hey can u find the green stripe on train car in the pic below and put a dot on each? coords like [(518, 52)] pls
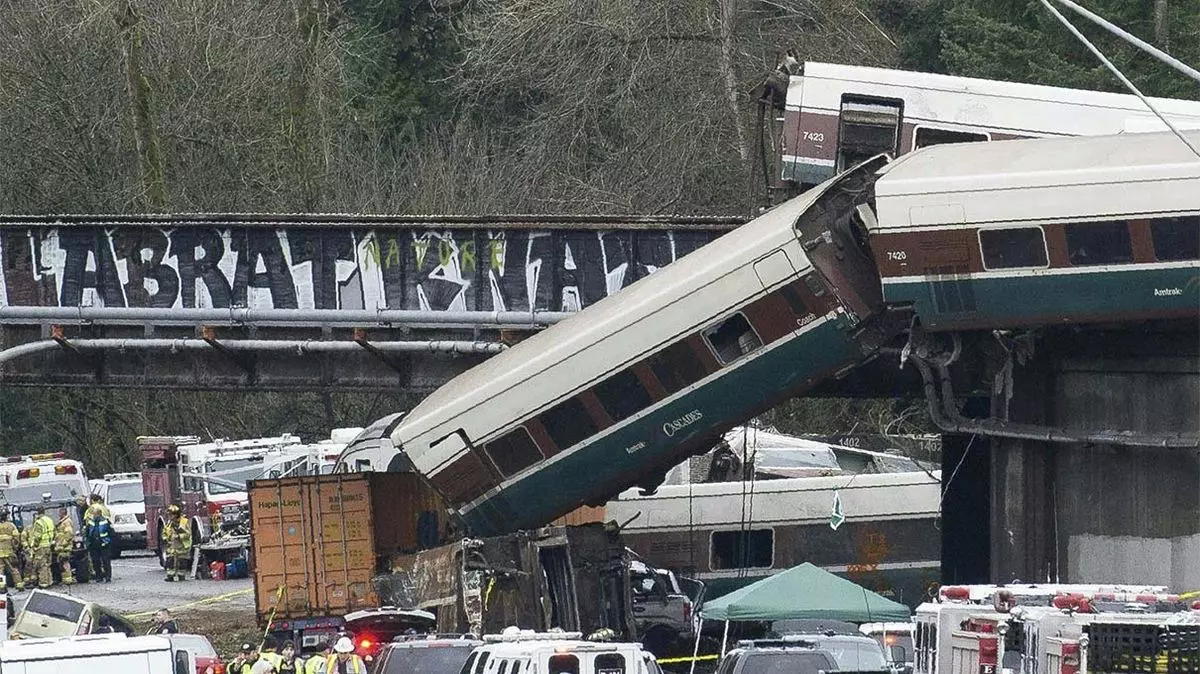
[(538, 497), (1051, 298)]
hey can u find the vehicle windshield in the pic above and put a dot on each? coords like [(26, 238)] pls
[(425, 660), (125, 492), (796, 662), (854, 655), (53, 606), (233, 470), (195, 643), (32, 493), (898, 646)]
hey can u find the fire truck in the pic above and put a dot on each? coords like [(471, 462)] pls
[(208, 480), (977, 646)]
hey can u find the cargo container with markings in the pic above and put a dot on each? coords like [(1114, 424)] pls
[(319, 540)]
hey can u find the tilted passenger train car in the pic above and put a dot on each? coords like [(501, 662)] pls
[(1041, 232), (633, 384)]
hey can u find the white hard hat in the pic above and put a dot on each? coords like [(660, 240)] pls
[(344, 645)]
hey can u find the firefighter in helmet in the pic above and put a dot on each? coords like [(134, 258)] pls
[(64, 544), (177, 543), (41, 543), (10, 546)]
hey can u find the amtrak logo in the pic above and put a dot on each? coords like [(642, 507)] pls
[(672, 427), (1167, 292), (635, 448)]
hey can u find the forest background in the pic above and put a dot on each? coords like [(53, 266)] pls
[(454, 106)]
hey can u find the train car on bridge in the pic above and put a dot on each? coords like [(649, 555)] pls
[(838, 115), (1041, 232), (618, 394)]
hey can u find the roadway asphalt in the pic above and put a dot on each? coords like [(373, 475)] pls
[(138, 587)]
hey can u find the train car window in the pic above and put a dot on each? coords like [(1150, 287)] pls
[(732, 339), (752, 549), (925, 136), (568, 423), (677, 367), (1176, 238), (514, 451), (622, 395), (867, 127), (1013, 247), (1098, 243)]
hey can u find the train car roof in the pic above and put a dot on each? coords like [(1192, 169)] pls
[(508, 369), (1032, 93), (795, 500), (1040, 179)]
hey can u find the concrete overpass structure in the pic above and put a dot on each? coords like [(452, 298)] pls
[(301, 302), (378, 302)]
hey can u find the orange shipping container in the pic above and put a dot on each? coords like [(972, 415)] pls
[(318, 540)]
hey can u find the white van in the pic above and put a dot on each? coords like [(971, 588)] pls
[(94, 654), (526, 651)]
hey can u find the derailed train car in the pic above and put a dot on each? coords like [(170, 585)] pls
[(1041, 232), (962, 237), (574, 578), (617, 395)]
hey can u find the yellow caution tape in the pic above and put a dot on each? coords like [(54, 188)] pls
[(198, 602), (698, 658)]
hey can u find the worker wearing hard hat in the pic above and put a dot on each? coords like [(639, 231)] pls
[(10, 545), (64, 545), (41, 543), (344, 661), (177, 543)]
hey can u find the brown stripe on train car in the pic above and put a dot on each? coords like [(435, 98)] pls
[(1056, 246), (771, 317), (541, 438), (464, 479), (926, 250), (1141, 241), (645, 375)]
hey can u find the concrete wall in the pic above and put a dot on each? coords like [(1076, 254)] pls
[(1096, 513)]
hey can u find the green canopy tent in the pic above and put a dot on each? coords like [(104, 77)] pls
[(804, 591)]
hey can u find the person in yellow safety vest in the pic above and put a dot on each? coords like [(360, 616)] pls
[(345, 661), (316, 664), (64, 545), (26, 556), (41, 541), (98, 506), (10, 546), (268, 659), (177, 544)]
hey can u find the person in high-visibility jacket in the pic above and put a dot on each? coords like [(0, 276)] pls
[(344, 660), (41, 541), (97, 506), (27, 567), (64, 545), (316, 664), (10, 546), (177, 543)]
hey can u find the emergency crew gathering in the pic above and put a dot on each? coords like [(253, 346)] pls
[(42, 552)]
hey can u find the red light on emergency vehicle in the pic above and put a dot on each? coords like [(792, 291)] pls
[(956, 593), (1146, 598), (1196, 605), (14, 459), (1106, 596), (65, 470), (365, 644), (989, 650), (889, 639), (1070, 659), (28, 472)]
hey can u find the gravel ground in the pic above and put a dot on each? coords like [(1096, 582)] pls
[(221, 610)]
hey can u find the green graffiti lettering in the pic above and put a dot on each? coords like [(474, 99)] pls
[(444, 252), (373, 249), (496, 253), (468, 255), (393, 254)]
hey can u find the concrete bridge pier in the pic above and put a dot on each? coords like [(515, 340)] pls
[(1084, 513)]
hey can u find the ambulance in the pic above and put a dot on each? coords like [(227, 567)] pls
[(37, 478)]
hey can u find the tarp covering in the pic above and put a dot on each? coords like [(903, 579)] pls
[(804, 591)]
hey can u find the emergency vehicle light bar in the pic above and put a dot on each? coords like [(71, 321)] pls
[(530, 635)]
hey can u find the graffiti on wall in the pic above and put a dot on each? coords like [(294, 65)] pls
[(329, 267)]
